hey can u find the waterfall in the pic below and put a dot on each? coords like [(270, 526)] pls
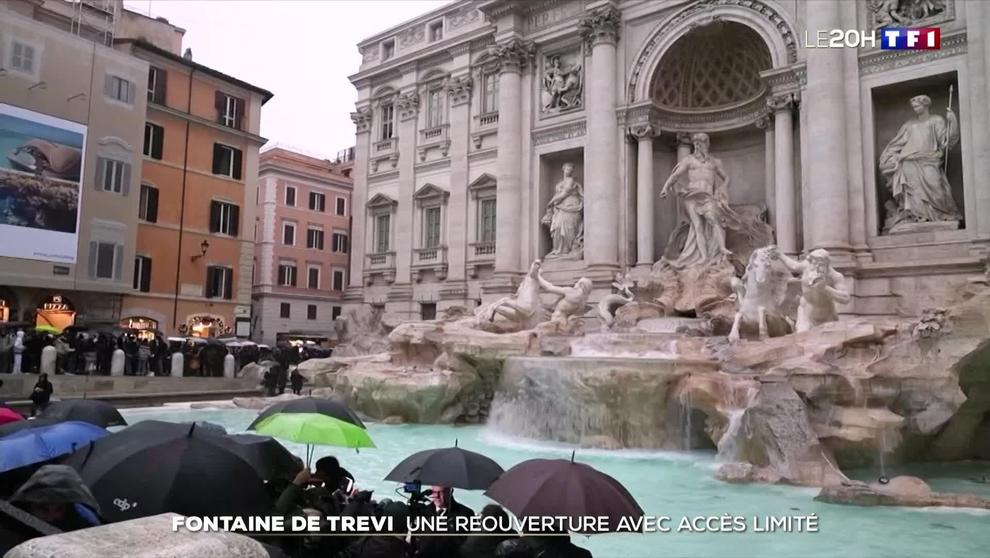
[(728, 444), (881, 450), (685, 399)]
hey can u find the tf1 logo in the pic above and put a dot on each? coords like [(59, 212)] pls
[(890, 38)]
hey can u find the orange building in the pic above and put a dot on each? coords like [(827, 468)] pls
[(195, 241)]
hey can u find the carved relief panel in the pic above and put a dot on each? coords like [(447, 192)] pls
[(562, 83)]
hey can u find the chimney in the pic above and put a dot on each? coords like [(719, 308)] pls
[(188, 54)]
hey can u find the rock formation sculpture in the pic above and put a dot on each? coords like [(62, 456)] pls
[(913, 165), (565, 216), (610, 304), (760, 296), (573, 302), (821, 288), (519, 312)]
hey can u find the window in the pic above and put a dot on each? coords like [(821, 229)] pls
[(115, 176), (436, 31), (387, 121), (142, 274), (288, 233), (156, 85), (434, 105), (230, 110), (341, 206), (119, 89), (148, 206), (313, 277), (338, 280), (334, 312), (226, 161), (489, 93), (314, 238), (317, 201), (154, 137), (428, 310), (105, 260), (224, 218), (22, 57), (487, 221), (310, 311), (381, 233), (287, 274), (431, 227), (340, 242), (284, 310), (388, 49), (290, 196), (219, 281)]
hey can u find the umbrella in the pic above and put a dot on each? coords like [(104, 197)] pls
[(44, 328), (313, 428), (329, 407), (269, 457), (455, 467), (210, 427), (13, 427), (92, 411), (558, 487), (155, 467), (35, 445), (8, 415)]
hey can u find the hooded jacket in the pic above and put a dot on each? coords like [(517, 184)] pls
[(60, 484)]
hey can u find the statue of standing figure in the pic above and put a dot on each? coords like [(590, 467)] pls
[(565, 215), (913, 165)]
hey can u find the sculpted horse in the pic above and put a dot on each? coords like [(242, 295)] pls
[(610, 304), (821, 288), (760, 297), (522, 311)]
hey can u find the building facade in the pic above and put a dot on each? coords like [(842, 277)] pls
[(492, 133), (70, 122), (302, 235)]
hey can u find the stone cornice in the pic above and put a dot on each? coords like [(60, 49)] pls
[(877, 61), (601, 25), (559, 133), (784, 80)]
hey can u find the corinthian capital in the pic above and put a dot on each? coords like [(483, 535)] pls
[(783, 101), (512, 55), (407, 105), (459, 89), (601, 26), (362, 119), (641, 131)]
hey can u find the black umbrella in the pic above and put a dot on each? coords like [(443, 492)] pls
[(454, 467), (329, 407), (267, 455), (558, 487), (156, 467), (92, 411), (12, 427)]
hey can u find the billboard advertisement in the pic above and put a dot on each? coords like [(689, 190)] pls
[(41, 165)]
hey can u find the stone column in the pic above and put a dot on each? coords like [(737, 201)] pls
[(683, 140), (459, 90), (645, 194), (359, 196), (828, 172), (512, 57), (601, 186), (765, 123), (979, 79), (783, 172), (407, 106)]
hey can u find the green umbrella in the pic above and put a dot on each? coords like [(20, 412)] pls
[(314, 428)]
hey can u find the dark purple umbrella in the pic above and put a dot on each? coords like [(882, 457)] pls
[(93, 411), (454, 467), (558, 487)]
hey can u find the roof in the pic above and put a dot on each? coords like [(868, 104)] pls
[(144, 45)]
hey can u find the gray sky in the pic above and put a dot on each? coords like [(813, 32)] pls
[(300, 50)]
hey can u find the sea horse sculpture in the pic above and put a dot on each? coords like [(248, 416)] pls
[(610, 304), (760, 296), (521, 311)]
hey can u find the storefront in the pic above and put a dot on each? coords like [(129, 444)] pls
[(298, 339), (4, 311), (145, 328), (54, 314), (205, 325)]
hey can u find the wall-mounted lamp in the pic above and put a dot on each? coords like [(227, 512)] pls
[(40, 85), (81, 96), (203, 247)]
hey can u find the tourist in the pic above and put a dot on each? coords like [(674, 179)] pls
[(41, 394), (6, 350), (159, 354), (270, 379), (444, 504), (296, 380), (484, 546), (131, 354), (144, 354), (104, 353), (385, 545), (332, 475), (281, 379), (18, 351), (61, 354), (57, 495)]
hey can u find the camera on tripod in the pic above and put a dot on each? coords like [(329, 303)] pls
[(419, 498)]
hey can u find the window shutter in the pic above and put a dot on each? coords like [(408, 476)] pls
[(219, 99), (152, 216), (214, 217), (209, 282), (292, 276), (344, 243), (235, 220), (101, 170), (130, 92), (118, 262), (146, 278), (108, 86), (239, 114), (92, 259), (228, 283), (237, 164), (160, 86), (158, 141), (217, 155), (126, 180)]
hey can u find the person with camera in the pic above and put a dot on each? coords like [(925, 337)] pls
[(444, 505)]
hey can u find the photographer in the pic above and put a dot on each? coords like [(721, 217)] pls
[(442, 498)]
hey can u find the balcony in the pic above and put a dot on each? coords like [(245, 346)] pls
[(482, 255), (434, 259), (487, 120), (382, 263), (385, 147), (434, 135), (381, 260), (483, 250)]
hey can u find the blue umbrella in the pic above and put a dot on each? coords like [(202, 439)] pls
[(36, 445)]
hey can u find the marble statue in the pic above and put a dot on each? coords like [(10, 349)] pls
[(913, 165), (821, 288), (573, 302), (521, 311), (905, 12), (760, 296), (610, 304), (565, 216), (561, 85)]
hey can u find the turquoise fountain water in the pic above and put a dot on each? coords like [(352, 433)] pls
[(679, 484)]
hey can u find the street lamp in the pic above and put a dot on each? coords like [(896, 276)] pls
[(203, 247)]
